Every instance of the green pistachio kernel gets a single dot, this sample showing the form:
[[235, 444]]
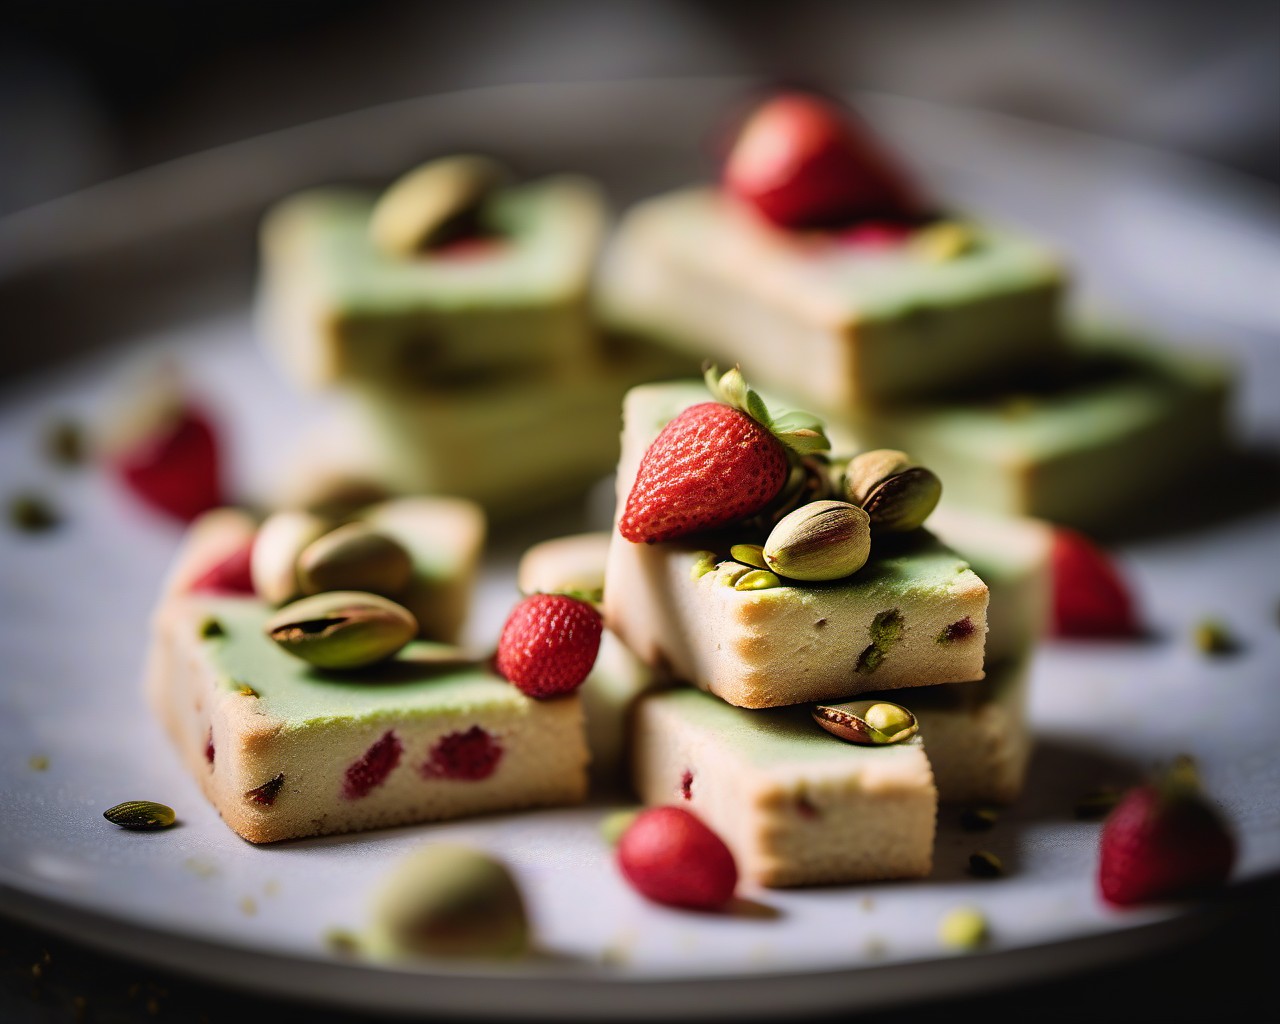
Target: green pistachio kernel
[[757, 579], [749, 554], [140, 815], [1213, 637], [612, 825], [963, 928], [985, 864], [705, 562]]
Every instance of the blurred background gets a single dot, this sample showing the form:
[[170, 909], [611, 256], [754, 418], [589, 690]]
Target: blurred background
[[92, 90]]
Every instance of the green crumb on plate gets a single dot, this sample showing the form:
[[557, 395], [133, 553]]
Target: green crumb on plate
[[1213, 637], [612, 825], [31, 513]]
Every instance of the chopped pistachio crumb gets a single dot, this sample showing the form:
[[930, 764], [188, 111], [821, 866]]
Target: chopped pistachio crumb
[[963, 928], [249, 906], [244, 689], [612, 825], [1213, 637], [757, 579], [32, 513], [64, 443], [985, 864], [342, 942], [38, 763], [978, 819], [705, 563], [211, 628], [885, 631]]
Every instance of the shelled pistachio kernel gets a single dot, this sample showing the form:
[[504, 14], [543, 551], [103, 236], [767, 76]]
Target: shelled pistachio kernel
[[342, 629], [64, 443], [613, 824], [32, 513], [757, 579], [704, 562], [867, 722], [140, 815], [280, 540], [823, 540], [419, 210], [985, 864], [449, 901], [963, 928], [978, 819], [896, 494], [749, 554], [1213, 637], [355, 557], [944, 241]]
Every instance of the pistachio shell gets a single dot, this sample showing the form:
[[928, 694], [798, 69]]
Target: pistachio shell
[[823, 540], [355, 557], [897, 495], [342, 629], [419, 209], [140, 815], [867, 722], [273, 563], [449, 901]]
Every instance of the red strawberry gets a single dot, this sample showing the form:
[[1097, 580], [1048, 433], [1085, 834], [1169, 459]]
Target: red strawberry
[[802, 162], [1162, 841], [710, 466], [1090, 598], [229, 576], [549, 644], [671, 857]]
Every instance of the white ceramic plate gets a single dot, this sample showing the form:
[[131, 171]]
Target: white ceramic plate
[[74, 606]]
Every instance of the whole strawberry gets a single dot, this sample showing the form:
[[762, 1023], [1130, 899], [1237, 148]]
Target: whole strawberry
[[164, 449], [549, 644], [714, 464], [671, 857], [1162, 840], [1090, 598], [801, 162]]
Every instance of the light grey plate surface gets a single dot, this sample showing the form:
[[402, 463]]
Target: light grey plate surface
[[74, 605]]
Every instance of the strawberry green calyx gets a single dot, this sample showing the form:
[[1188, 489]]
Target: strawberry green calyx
[[802, 433]]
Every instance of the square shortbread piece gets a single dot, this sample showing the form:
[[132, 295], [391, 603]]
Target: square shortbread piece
[[795, 805], [829, 323]]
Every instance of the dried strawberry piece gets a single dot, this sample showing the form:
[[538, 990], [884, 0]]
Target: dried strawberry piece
[[464, 756], [373, 767], [266, 793], [1090, 598], [175, 467]]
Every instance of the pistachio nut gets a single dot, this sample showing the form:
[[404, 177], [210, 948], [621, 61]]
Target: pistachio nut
[[355, 557], [867, 722], [898, 495], [342, 629], [823, 540], [749, 554], [704, 562], [757, 579], [427, 205], [944, 241], [273, 563], [448, 900]]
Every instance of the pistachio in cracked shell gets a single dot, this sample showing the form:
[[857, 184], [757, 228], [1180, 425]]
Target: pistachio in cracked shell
[[897, 494], [867, 722], [342, 629], [448, 900], [433, 203], [273, 562], [355, 557], [823, 540]]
